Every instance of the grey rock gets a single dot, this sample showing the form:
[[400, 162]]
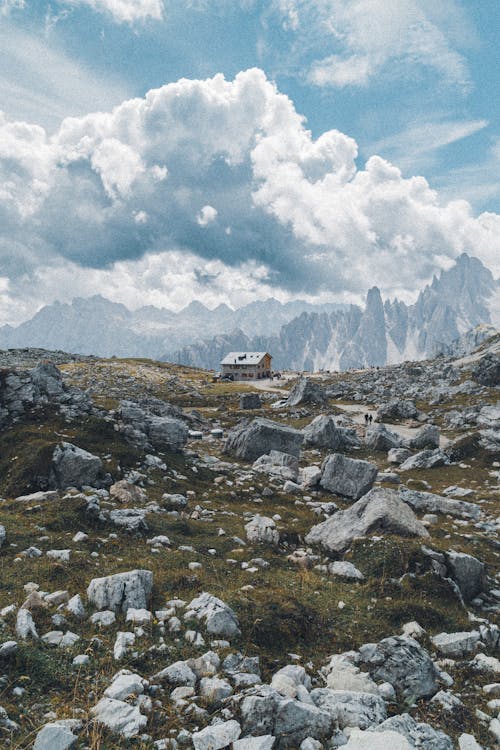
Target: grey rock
[[322, 432], [264, 742], [487, 370], [350, 709], [119, 717], [344, 569], [3, 535], [468, 572], [125, 683], [176, 674], [129, 519], [406, 665], [264, 711], [456, 645], [25, 625], [361, 740], [426, 437], [347, 476], [428, 502], [306, 391], [427, 459], [250, 401], [262, 530], [396, 409], [74, 467], [380, 511], [418, 734], [248, 441], [398, 455], [121, 591], [214, 690], [276, 463], [379, 438], [167, 433], [218, 617], [54, 736], [217, 736]]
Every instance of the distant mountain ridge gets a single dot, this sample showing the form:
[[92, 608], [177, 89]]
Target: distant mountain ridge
[[95, 325], [299, 334], [461, 298]]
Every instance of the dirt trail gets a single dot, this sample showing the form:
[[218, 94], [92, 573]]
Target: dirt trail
[[355, 411]]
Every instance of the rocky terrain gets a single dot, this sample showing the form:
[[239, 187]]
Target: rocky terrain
[[193, 564]]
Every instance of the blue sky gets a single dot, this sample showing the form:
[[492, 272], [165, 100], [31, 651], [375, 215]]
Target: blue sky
[[138, 206]]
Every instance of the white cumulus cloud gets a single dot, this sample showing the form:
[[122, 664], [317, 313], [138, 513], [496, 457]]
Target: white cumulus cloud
[[110, 189]]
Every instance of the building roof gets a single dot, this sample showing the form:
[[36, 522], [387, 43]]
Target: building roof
[[243, 358]]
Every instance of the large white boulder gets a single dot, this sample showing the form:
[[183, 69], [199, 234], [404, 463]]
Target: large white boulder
[[121, 591]]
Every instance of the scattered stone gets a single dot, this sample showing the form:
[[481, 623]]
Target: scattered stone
[[262, 530], [250, 401], [347, 476], [121, 591], [74, 467], [119, 717], [248, 441], [380, 511]]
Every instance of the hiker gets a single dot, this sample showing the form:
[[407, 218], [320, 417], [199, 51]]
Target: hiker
[[366, 419], [370, 418]]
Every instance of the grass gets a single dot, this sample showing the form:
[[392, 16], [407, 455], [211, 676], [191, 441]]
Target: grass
[[287, 610]]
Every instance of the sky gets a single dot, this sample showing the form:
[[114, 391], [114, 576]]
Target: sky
[[159, 151]]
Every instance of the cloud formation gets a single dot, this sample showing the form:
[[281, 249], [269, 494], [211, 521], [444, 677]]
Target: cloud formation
[[365, 37], [125, 11], [108, 190]]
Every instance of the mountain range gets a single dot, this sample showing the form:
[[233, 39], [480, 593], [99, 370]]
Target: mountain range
[[457, 301], [300, 335]]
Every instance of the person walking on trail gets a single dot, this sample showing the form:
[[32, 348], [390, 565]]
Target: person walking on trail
[[366, 419], [370, 418]]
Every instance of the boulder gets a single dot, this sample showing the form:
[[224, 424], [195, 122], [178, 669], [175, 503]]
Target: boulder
[[218, 617], [344, 569], [350, 709], [427, 459], [418, 734], [379, 438], [167, 433], [396, 409], [347, 476], [380, 511], [54, 736], [217, 736], [119, 717], [73, 467], [428, 502], [405, 664], [360, 740], [322, 432], [456, 645], [398, 455], [264, 711], [125, 492], [121, 591], [48, 379], [262, 530], [468, 572], [278, 464], [306, 391], [3, 535], [487, 370], [248, 441], [250, 401], [426, 437], [264, 742]]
